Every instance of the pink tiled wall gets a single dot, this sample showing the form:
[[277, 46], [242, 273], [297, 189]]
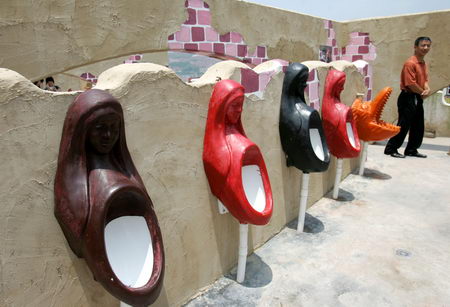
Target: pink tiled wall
[[312, 89], [197, 35], [359, 48]]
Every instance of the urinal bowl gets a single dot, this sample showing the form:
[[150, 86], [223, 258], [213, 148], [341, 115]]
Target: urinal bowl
[[309, 152], [122, 243], [247, 194]]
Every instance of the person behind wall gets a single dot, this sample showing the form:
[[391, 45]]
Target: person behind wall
[[51, 86], [414, 88]]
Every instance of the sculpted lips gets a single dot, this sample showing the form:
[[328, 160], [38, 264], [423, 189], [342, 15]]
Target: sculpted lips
[[367, 116]]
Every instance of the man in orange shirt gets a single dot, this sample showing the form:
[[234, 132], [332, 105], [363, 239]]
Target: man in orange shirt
[[414, 86]]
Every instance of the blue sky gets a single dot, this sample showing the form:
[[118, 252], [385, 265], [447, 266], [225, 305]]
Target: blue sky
[[341, 10]]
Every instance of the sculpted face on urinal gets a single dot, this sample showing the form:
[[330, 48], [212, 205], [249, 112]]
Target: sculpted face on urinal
[[104, 133], [367, 116], [340, 129], [301, 131], [233, 164], [101, 202]]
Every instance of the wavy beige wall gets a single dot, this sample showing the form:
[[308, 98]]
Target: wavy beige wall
[[165, 120]]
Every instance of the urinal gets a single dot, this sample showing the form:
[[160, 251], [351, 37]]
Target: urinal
[[301, 133], [234, 165], [368, 123], [101, 203], [340, 129], [367, 116]]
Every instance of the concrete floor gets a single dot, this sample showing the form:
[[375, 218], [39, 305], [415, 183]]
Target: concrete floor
[[384, 242]]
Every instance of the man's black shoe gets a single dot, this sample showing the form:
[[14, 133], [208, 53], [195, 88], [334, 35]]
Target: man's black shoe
[[397, 155], [415, 154]]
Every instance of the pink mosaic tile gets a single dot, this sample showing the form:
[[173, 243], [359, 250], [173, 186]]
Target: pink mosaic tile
[[231, 50], [236, 37], [192, 19], [367, 82], [198, 34], [211, 35], [225, 37], [241, 50], [312, 75], [333, 42], [184, 35], [171, 37], [175, 46], [363, 49], [261, 51], [366, 41], [365, 70], [346, 57], [369, 95], [208, 47], [354, 34], [249, 80], [332, 33], [313, 92], [256, 61], [363, 34], [327, 24], [206, 5], [195, 3], [264, 79], [356, 58], [191, 47], [204, 17], [335, 51], [357, 40], [219, 48], [351, 49]]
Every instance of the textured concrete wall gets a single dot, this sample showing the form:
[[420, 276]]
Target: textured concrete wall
[[165, 120]]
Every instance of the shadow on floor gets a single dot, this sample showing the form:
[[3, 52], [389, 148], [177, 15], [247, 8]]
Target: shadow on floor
[[343, 195], [312, 224], [257, 273], [374, 174]]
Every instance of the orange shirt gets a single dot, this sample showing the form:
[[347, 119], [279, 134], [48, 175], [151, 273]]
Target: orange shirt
[[413, 72]]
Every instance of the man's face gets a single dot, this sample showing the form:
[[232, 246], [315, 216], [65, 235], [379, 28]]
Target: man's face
[[423, 48]]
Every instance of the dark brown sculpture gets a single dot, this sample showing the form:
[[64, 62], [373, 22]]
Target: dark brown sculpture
[[97, 187]]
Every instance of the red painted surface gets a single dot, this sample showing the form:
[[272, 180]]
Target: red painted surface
[[90, 192], [226, 149], [335, 115]]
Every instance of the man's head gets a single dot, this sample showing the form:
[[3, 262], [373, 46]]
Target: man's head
[[422, 45], [50, 81]]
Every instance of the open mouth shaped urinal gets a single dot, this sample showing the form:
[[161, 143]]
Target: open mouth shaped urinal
[[367, 118], [234, 165], [340, 129], [101, 203], [301, 132]]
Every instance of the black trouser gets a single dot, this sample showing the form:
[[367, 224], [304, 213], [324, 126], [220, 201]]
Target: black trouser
[[410, 118]]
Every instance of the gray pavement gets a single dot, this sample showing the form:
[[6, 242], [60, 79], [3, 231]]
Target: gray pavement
[[384, 242]]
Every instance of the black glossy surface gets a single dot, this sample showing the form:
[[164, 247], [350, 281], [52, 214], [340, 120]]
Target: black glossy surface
[[296, 120]]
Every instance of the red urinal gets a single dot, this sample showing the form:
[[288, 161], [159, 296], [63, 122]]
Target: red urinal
[[234, 165], [101, 203], [340, 129]]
